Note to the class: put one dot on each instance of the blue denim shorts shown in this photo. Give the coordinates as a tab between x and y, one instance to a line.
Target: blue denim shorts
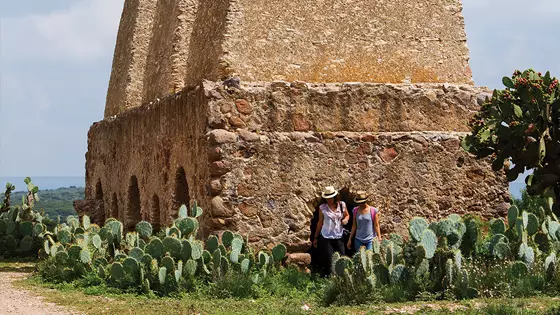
358	244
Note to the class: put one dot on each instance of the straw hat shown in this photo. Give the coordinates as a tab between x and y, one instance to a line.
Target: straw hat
361	197
329	192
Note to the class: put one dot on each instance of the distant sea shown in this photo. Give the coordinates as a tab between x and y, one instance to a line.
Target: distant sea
44	182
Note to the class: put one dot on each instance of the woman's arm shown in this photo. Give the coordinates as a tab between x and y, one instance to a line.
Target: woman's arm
376	226
346	216
318	229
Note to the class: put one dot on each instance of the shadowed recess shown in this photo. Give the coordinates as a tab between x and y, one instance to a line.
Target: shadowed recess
115	207
155	216
181	196
133	214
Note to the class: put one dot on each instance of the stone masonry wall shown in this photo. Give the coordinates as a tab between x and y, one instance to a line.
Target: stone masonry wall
241	156
163	46
266	185
168	162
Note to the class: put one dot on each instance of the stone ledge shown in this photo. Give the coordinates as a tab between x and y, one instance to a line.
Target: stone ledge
358	107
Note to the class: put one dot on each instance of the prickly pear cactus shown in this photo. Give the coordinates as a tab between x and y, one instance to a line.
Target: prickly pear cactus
144	229
342	265
227	237
212	243
429	243
416	228
155	248
279	252
172	246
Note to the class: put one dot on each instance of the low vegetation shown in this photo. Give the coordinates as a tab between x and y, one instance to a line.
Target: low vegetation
55	202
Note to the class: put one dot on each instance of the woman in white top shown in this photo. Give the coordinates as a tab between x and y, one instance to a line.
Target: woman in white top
333	215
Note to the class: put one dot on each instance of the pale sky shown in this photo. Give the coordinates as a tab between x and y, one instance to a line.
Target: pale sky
55	61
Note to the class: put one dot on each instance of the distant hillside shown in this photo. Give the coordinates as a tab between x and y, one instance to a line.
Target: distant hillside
54	202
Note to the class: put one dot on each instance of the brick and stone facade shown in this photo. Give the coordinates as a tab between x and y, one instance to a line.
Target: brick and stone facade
242	106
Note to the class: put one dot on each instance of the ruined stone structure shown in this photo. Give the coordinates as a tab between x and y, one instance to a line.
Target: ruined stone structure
243	106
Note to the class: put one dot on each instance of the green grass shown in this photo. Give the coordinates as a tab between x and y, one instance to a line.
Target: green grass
104	300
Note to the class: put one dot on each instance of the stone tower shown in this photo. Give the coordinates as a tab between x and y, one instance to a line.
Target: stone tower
250	107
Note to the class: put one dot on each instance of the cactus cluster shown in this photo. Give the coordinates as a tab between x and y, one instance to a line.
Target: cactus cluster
22	228
148	262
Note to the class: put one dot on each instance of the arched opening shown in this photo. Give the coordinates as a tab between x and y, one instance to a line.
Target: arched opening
99	198
155	217
98	191
181	196
115	207
133	213
345	195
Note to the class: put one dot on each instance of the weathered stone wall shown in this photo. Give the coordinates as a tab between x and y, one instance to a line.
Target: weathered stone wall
266	184
165	45
340	40
280	106
168	162
259	175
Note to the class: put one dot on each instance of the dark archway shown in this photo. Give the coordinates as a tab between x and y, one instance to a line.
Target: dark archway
181	196
133	213
155	215
115	207
98	191
99	198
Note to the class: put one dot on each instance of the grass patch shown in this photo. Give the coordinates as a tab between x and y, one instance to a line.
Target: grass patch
104	300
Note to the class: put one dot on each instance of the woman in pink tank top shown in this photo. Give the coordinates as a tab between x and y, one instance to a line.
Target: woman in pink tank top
365	226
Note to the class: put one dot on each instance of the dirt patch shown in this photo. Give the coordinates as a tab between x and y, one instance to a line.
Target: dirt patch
21	302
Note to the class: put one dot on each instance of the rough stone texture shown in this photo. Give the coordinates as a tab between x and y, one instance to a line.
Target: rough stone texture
265	180
332	41
129	61
282	106
165	45
273	184
92	207
166	161
167	60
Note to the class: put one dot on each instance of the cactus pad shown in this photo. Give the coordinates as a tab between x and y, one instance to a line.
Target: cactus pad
186	225
279	252
117	271
168	263
190	267
245	264
212	243
454	217
96	241
86	223
64	237
115	228
532	224
172	246
416	227
552	229
263	259
445	227
144	229
206	256
85	256
513	213
154	248
136	253
429	242
162	274
62	258
227	237
26	228
183	212
497	226
399	274
131	266
343	264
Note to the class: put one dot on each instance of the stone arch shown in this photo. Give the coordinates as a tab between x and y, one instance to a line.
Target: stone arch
98	190
155	214
133	211
181	195
99	198
115	207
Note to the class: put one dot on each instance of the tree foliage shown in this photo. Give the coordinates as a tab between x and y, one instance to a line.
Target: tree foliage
519	129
